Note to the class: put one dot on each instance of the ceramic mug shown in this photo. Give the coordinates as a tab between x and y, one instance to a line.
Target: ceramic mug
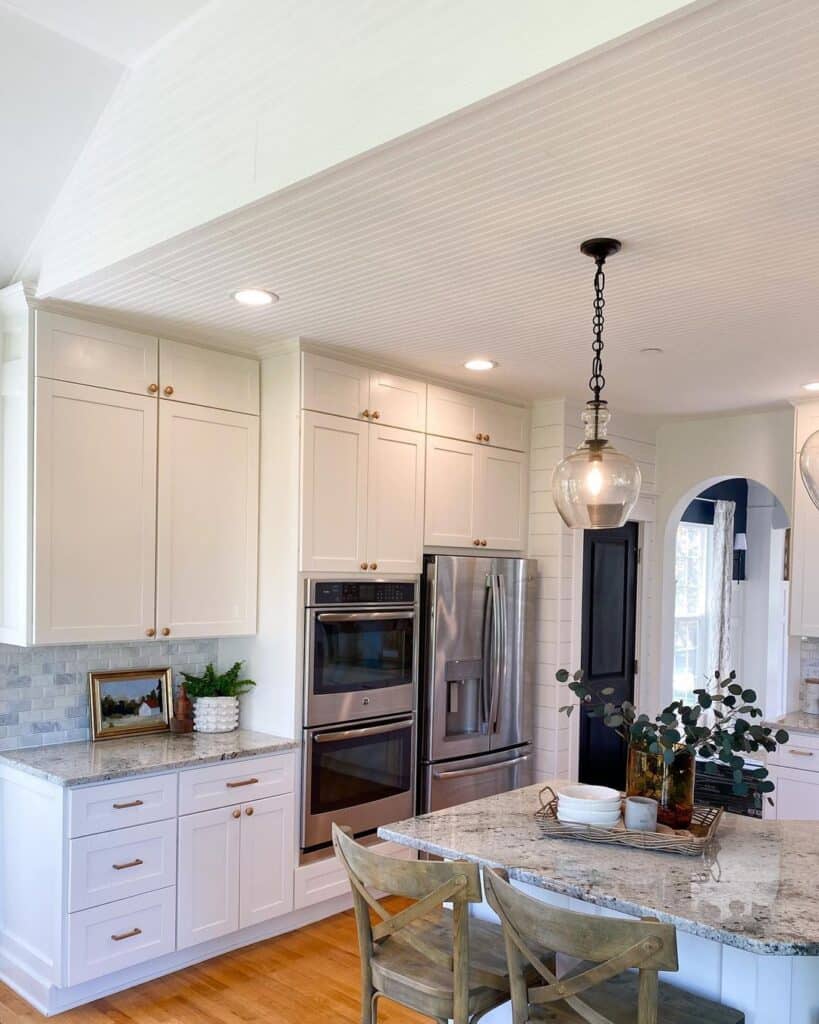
641	813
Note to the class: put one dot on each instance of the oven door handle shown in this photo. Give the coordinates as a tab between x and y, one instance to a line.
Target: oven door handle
460	772
370	730
363	616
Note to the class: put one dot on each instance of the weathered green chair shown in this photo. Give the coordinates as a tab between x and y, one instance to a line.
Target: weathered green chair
440	963
608	949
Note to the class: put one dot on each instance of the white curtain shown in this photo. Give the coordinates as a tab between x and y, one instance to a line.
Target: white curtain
719	592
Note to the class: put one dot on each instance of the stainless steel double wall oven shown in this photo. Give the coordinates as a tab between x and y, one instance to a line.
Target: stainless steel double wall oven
361	642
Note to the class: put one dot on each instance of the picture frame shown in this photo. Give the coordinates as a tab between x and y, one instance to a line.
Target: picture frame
135	702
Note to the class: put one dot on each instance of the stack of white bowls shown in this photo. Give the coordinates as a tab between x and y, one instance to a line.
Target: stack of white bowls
578	804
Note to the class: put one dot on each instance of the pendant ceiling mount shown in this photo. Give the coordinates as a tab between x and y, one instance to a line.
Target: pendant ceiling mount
596	487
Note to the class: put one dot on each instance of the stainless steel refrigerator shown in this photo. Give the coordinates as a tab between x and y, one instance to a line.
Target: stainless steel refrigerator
476	691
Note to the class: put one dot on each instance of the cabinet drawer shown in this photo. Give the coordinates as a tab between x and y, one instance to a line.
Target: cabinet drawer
126	862
121	934
801	751
120	804
234	782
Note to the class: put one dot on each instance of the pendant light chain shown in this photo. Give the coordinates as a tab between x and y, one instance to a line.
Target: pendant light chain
597	381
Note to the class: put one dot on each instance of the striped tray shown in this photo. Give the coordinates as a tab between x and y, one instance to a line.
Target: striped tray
689	842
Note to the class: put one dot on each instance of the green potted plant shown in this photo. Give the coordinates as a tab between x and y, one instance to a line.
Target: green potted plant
719	727
216	698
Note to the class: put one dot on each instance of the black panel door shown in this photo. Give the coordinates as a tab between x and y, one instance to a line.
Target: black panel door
608	644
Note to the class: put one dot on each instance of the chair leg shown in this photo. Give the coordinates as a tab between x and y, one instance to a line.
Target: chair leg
369	1011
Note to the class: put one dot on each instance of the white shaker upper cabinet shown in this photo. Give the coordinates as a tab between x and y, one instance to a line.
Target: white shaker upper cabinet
200	376
88	353
451	493
334	465
95	514
328	385
395	500
452	414
397	401
504	426
502	506
208	509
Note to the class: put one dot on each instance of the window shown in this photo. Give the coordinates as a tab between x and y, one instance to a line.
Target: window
691	628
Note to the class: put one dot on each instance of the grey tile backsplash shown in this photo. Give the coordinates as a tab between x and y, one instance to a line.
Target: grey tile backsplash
810	665
44	690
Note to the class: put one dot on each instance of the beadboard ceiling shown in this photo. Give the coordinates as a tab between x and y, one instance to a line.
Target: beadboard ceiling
697	144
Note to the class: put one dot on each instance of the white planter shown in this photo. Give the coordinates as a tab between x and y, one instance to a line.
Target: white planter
216	714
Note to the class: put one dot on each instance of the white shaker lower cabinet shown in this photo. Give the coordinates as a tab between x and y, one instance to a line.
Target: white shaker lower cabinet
207	523
208	903
794	770
95	514
268	835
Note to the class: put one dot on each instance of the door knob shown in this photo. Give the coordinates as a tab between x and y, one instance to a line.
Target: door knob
166	631
366	414
153	388
168	390
150	632
376	415
248	811
479	437
483	543
237	813
373	565
363	565
486	437
476	542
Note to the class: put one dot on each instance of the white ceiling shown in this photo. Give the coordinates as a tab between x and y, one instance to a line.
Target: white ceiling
696	144
59	65
121	30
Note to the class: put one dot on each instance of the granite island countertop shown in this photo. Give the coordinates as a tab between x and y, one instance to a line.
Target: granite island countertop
75	764
797	721
755	890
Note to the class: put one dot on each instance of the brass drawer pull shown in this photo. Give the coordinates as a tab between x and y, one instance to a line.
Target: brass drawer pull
800	753
127	935
244	782
131	803
131	864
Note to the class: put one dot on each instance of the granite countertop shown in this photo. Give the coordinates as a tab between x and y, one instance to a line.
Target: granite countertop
798	721
73	764
755	890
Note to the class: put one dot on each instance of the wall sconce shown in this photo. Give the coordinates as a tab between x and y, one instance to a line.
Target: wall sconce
740	547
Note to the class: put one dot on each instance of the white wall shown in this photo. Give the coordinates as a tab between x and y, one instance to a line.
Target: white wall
691	455
254	96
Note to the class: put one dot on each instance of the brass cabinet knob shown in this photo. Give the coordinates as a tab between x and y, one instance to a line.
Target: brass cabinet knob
479	437
366	414
237	813
150	632
376	415
483	543
363	565
248	811
166	631
476	542
168	389
486	437
153	388
373	565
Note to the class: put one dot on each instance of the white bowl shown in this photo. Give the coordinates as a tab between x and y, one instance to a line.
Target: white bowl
588	817
578	791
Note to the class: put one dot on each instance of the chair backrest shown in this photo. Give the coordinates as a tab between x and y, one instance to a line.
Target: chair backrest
429	883
614	945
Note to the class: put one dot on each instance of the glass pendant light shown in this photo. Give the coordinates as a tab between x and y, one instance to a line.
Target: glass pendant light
809	467
596	487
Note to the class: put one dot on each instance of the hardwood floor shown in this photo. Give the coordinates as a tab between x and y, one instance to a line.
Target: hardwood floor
306	976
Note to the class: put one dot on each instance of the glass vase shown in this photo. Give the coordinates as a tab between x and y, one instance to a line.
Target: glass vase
671	785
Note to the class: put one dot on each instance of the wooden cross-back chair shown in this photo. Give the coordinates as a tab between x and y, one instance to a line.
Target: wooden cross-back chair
609	949
438	963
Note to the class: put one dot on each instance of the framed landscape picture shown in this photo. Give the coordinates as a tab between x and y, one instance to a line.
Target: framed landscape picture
130	703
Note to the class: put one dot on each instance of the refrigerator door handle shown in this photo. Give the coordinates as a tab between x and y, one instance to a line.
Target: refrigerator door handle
461	772
486	656
498	648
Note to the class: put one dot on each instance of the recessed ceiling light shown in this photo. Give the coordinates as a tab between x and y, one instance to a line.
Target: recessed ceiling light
480	364
811	385
255	297
652	350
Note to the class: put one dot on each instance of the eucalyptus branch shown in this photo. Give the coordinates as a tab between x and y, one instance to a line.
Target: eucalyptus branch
719	727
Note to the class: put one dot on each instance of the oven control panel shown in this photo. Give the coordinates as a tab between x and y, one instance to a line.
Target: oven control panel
334	592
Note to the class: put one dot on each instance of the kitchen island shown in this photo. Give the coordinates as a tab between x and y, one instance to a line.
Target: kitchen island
746	913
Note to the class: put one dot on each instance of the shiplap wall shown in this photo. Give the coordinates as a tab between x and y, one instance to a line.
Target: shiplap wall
557	430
